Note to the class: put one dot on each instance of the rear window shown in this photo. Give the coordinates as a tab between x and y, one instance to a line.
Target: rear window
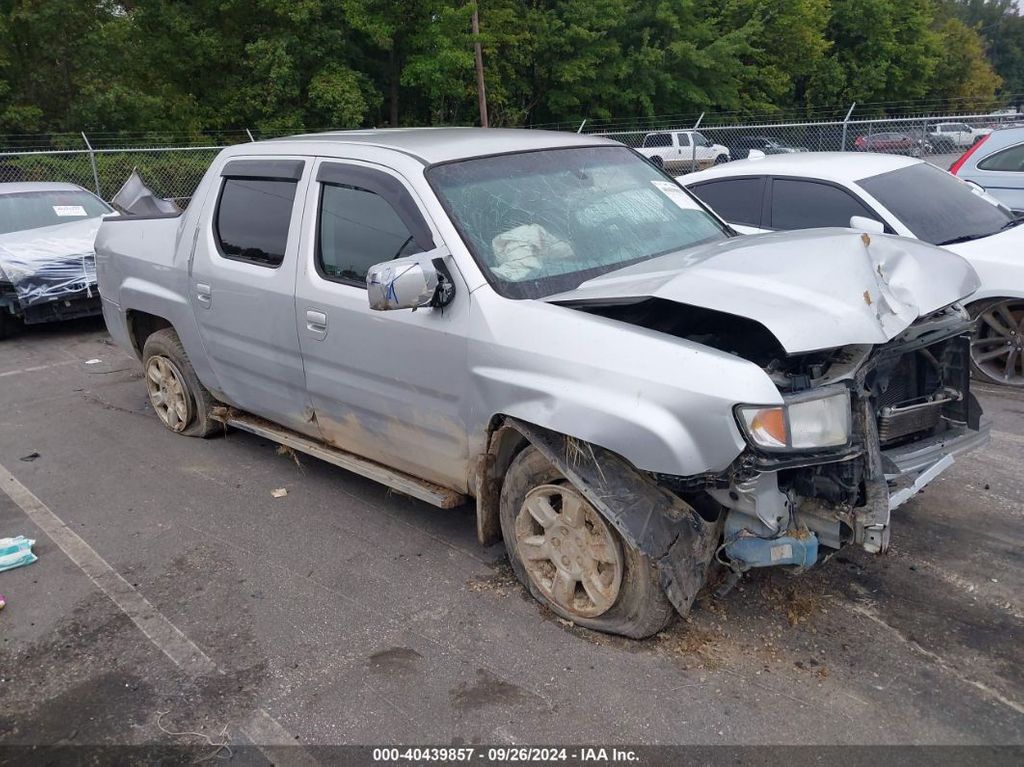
252	219
737	200
934	205
33	210
658	139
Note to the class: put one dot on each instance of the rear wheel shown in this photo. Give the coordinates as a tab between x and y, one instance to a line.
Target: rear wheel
180	401
997	347
571	558
658	161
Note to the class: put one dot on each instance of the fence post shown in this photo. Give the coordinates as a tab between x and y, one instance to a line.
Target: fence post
693	145
92	162
580	129
846	123
249	133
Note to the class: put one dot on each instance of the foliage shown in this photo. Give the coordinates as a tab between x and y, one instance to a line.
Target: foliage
275	66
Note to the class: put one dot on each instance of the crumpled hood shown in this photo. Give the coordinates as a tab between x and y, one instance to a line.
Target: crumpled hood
813	289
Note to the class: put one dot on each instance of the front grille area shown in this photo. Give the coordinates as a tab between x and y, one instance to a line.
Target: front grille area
916	391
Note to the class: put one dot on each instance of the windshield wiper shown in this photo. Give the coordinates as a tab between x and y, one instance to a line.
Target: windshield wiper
1012	223
962	238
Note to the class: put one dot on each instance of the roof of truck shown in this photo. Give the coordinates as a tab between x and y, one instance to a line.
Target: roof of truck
431	145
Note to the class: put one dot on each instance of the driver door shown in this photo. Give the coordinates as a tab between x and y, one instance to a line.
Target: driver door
387	385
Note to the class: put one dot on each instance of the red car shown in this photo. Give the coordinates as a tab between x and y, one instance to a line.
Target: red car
892	143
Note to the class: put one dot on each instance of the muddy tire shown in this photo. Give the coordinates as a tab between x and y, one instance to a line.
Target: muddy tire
571	559
182	404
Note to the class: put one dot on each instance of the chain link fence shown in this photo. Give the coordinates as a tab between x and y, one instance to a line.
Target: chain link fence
173	167
684	146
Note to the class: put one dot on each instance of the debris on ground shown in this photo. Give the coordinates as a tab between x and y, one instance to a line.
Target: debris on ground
93	361
30	457
3	601
15	552
285	450
279	492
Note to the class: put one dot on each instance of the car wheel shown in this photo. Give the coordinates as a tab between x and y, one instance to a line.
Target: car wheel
571	558
5	324
997	345
722	158
658	161
180	401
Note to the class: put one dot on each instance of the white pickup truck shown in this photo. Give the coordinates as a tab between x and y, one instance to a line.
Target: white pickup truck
949	136
682	151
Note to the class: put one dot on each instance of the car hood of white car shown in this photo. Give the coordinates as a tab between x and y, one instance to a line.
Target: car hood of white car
813	289
1002	247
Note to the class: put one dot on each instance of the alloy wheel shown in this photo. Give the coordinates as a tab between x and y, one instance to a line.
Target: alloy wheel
997	348
570	553
168	393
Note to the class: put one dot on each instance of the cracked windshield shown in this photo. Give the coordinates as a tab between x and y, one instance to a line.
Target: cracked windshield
540	223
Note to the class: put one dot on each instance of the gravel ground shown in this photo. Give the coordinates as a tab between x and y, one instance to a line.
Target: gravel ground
343	613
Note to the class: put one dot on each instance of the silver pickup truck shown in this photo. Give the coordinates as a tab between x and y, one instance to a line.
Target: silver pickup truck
550	325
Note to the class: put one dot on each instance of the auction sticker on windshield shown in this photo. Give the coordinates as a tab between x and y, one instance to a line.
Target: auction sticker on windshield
674	193
69	210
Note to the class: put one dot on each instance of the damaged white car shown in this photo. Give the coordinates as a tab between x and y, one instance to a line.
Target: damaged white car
551	326
47	263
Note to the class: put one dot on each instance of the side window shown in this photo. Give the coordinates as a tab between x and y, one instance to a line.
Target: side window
806	205
1011	159
683	139
738	200
657	139
357	229
252	218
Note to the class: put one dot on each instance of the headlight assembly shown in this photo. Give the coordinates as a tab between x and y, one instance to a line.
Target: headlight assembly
807	421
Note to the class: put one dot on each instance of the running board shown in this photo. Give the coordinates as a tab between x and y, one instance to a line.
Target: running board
396	480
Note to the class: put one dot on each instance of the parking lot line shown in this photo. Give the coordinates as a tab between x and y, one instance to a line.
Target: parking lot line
37	368
261	728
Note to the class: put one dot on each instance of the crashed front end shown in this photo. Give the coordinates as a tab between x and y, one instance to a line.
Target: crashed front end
862	430
45	277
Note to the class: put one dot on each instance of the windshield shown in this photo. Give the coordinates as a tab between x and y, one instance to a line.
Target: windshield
539	223
32	210
934	205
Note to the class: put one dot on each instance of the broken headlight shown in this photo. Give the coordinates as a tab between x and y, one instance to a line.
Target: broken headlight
807	421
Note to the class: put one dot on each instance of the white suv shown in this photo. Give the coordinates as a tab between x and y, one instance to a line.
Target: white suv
946	136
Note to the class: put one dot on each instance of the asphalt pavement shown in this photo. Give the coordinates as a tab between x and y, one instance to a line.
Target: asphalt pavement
176	601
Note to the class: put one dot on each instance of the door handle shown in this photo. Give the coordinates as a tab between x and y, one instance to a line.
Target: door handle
203	294
316	324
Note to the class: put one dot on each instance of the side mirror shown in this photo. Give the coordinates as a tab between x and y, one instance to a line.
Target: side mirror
755	154
409	283
865	224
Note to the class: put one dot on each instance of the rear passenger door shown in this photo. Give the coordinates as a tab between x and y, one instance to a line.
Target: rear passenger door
1002	175
390	386
740	201
807	204
242	280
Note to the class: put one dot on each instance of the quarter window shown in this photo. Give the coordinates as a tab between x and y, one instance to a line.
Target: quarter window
252	219
1011	159
738	200
358	229
807	205
658	139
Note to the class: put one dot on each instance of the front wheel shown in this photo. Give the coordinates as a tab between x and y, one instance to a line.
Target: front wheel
570	557
997	346
722	158
180	401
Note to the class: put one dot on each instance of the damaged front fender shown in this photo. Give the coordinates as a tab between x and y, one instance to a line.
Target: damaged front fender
671	533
